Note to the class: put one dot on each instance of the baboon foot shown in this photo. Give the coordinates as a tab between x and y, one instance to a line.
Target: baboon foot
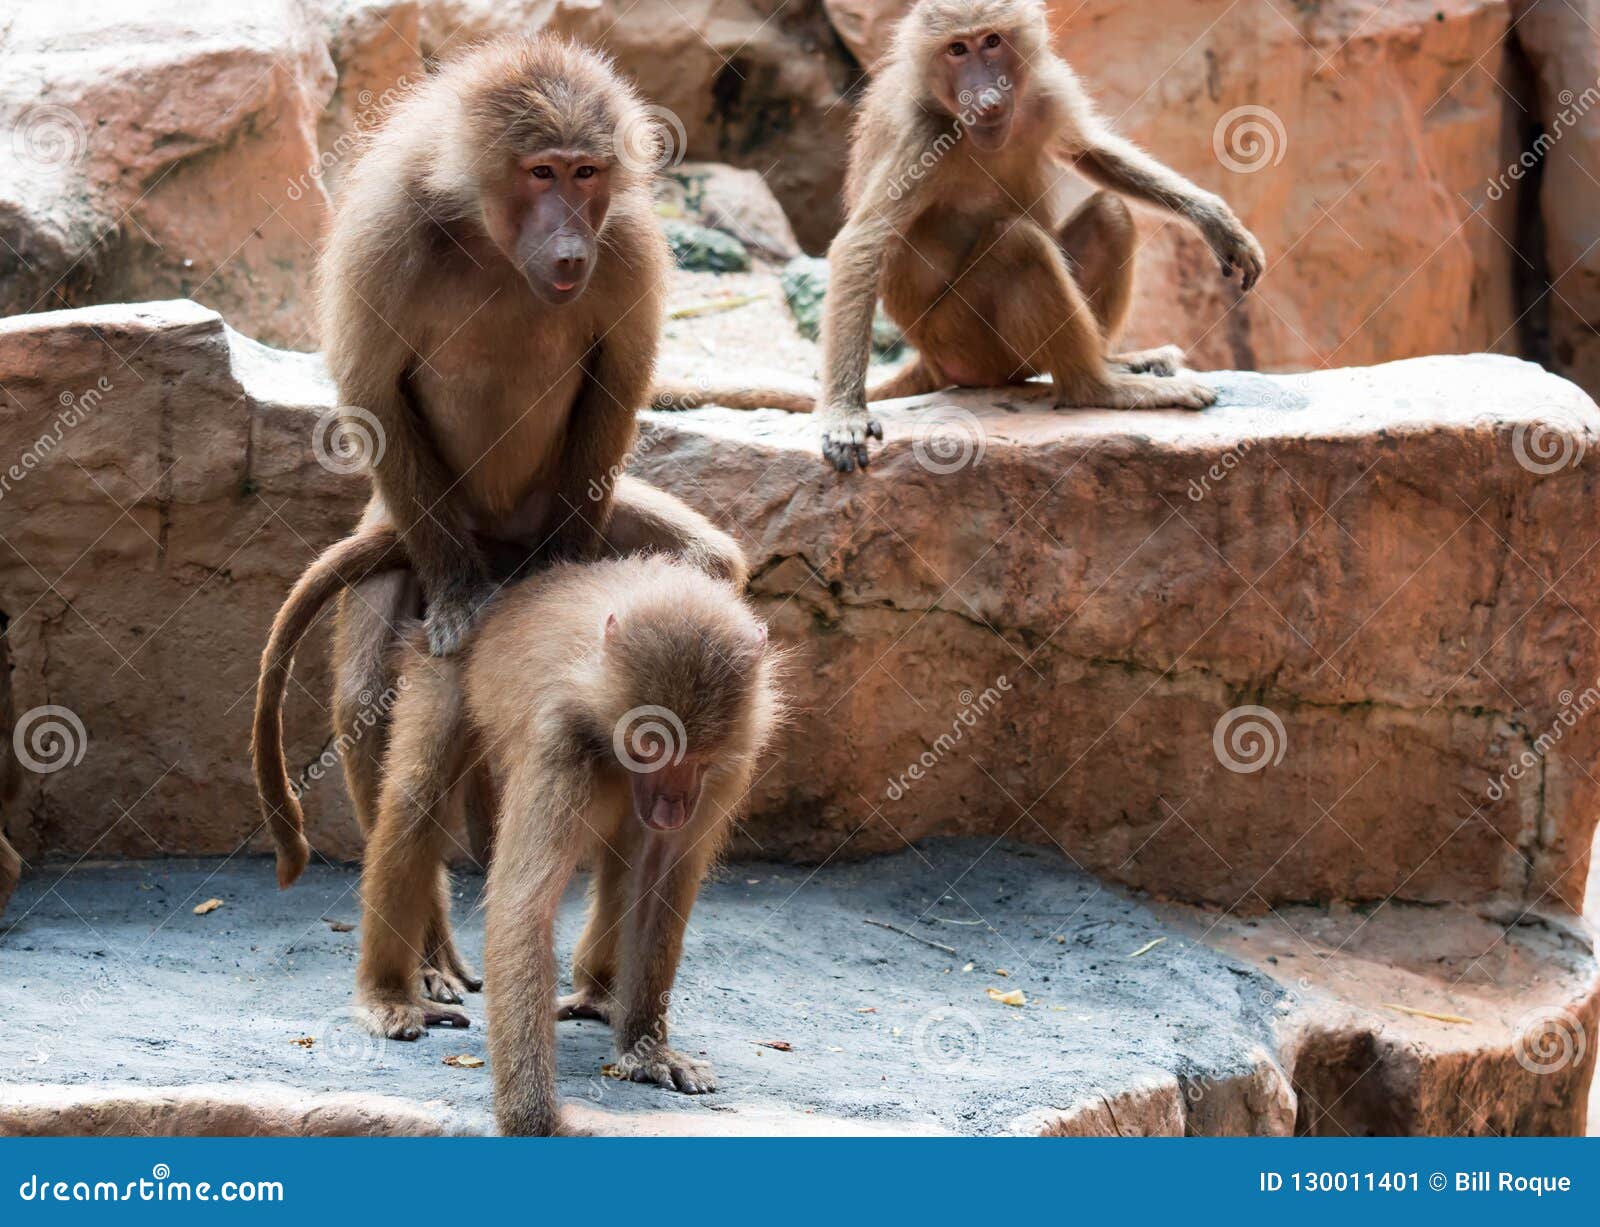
584	1005
1165	361
670	1068
408	1020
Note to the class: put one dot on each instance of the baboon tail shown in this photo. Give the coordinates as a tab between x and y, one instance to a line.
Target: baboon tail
675	395
338	567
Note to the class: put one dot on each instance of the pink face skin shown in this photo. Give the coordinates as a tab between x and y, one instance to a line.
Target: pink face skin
666	798
547	223
976	78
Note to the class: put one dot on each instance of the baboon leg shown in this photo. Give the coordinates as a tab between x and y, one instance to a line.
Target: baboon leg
481	804
531	867
647	520
365	632
1101	244
400	880
1049	323
594	960
446	975
664	881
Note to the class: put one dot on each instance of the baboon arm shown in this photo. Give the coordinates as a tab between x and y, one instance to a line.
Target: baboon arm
600	432
854	262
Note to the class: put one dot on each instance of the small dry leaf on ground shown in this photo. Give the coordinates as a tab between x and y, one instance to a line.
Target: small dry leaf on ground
1014	997
210	905
305	1041
780	1045
1147	947
464	1060
339	926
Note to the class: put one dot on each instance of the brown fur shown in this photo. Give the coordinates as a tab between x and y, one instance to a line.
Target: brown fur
986	283
550	694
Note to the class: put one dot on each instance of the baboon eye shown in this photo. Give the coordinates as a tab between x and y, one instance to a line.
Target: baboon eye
584	172
542	172
956	49
992	40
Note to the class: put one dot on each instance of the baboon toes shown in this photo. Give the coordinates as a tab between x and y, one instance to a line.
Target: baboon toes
440	985
409	1020
671	1069
583	1005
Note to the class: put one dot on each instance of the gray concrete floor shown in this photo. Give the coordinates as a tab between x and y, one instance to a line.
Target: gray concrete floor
111	979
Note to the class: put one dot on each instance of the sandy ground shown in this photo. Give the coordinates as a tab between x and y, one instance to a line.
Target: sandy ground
113	980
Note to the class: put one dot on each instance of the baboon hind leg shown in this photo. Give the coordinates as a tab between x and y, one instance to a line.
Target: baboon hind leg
1101	244
402	894
594	959
645	520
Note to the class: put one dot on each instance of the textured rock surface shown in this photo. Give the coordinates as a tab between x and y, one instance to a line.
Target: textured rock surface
162	151
1562	40
1049	626
1356	140
1135	1022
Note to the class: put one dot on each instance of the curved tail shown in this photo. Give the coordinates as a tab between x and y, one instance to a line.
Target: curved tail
338	567
913	379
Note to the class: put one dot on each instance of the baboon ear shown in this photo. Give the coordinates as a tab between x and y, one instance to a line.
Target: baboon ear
609	631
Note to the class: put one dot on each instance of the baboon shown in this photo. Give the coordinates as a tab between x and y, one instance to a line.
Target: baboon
959	140
620	706
491	299
645	520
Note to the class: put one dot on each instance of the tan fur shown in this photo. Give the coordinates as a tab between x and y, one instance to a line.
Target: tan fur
986	283
546	692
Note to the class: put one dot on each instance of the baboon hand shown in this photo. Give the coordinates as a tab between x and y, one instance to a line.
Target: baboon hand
845	431
1235	247
451	615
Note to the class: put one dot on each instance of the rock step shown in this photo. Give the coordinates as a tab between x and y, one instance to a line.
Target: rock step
1137	1019
1331	639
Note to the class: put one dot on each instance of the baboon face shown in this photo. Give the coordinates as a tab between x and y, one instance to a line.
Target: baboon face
976	78
548	222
